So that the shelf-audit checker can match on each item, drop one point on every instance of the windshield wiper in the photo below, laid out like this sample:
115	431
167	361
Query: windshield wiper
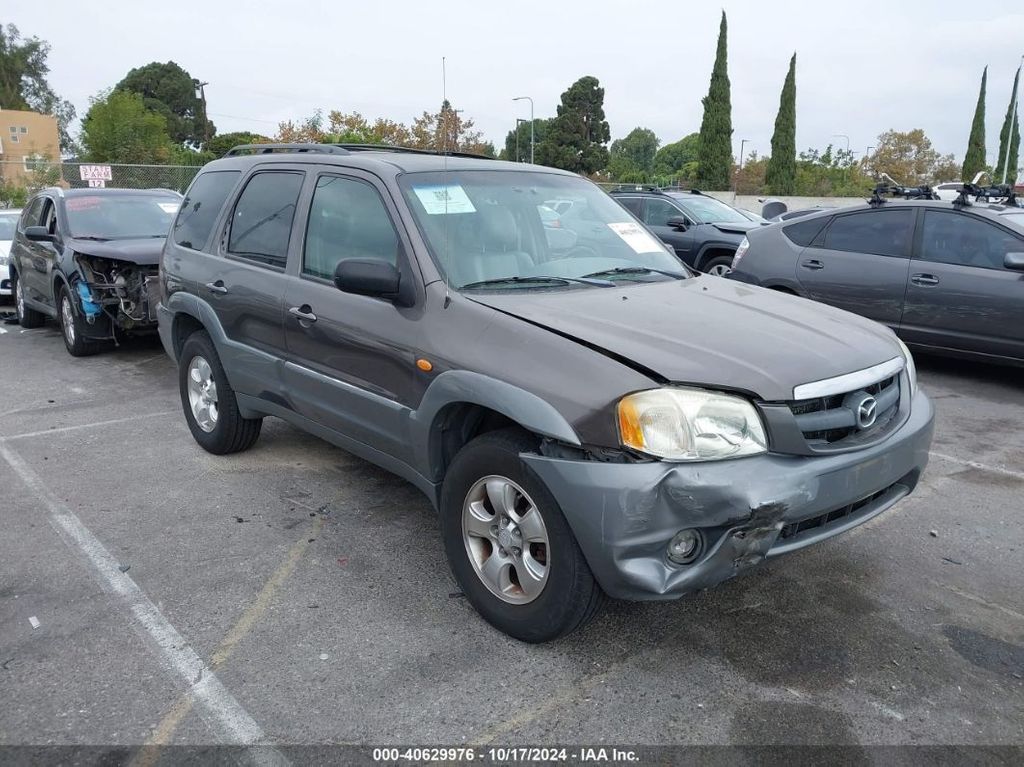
540	279
636	270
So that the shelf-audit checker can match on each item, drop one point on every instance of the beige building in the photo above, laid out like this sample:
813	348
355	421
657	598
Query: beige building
24	137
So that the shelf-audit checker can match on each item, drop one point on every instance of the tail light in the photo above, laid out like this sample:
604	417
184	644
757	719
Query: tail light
740	251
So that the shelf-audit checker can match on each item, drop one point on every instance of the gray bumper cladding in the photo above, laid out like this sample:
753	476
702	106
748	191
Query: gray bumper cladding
747	510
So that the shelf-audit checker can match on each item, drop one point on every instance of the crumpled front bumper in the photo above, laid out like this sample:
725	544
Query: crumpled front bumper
624	514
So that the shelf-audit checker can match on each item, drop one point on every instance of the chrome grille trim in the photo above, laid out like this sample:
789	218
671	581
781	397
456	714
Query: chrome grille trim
850	381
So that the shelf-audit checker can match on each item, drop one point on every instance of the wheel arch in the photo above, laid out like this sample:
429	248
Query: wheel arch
712	250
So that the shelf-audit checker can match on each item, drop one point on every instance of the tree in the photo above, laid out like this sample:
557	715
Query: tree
715	157
170	91
832	173
118	128
1009	140
974	158
220	144
634	154
576	138
353	128
445	130
780	175
23	83
518	149
750	179
908	157
671	159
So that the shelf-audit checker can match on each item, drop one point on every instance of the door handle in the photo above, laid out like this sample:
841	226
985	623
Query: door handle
924	279
304	313
812	263
217	287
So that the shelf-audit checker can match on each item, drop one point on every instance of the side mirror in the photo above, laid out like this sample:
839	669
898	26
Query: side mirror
371	277
678	222
1014	261
38	234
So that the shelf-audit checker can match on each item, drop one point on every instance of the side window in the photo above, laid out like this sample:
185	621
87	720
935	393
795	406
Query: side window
261	223
31	215
881	232
632	204
803	232
347	219
200	207
49	219
658	212
960	238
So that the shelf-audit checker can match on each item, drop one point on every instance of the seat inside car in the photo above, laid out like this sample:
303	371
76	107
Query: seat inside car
485	246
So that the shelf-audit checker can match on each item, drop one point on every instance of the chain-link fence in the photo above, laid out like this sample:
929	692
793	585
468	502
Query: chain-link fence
20	179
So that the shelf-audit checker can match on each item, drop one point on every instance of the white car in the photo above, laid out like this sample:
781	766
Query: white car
948	190
8	223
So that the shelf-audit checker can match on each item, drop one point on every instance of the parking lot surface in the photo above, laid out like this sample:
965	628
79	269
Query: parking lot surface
296	594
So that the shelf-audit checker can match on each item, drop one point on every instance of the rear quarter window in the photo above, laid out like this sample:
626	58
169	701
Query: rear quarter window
802	233
200	207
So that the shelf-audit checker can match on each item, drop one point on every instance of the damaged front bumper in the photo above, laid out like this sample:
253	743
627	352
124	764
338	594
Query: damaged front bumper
747	510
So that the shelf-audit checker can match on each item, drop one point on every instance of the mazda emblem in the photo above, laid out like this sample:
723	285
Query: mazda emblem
867	411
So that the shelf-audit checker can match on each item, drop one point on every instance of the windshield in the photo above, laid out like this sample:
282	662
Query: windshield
708	210
8	223
487	226
121	216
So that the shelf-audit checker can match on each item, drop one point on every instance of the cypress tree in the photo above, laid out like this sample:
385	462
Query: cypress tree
715	156
780	176
974	159
1009	140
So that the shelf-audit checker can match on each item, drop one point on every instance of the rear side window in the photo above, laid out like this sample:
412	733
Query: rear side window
262	220
199	210
879	232
802	233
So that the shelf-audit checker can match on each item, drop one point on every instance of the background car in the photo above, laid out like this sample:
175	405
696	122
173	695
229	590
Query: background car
703	232
8	225
947	278
948	191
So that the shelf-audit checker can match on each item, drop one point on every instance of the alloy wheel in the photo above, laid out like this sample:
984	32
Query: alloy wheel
202	394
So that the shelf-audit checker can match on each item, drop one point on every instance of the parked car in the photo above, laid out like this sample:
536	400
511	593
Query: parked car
703	232
8	225
948	191
587	423
947	278
87	258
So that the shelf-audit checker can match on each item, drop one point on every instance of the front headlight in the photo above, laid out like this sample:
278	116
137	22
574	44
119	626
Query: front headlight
911	368
680	424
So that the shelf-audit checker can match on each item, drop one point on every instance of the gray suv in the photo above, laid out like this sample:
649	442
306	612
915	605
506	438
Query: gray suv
559	404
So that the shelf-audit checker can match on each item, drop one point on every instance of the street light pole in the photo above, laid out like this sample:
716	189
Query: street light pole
843	135
1013	123
527	98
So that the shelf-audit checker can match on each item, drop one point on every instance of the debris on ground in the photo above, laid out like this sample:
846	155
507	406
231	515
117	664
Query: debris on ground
33	621
324	656
933	533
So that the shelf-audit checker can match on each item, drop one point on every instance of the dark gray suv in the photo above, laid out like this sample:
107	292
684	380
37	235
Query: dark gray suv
559	403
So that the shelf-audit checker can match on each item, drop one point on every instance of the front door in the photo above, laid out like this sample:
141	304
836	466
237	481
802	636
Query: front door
959	295
352	356
860	263
657	213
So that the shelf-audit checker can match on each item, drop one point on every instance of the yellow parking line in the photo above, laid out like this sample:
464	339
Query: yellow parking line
148	755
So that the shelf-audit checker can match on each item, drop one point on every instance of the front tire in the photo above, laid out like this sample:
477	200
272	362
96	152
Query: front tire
508	544
73	327
208	400
719	266
27	317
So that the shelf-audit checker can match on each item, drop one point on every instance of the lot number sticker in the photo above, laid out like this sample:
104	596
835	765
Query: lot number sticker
441	199
638	239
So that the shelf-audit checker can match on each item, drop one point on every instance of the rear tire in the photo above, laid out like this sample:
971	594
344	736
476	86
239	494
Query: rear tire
27	317
502	529
73	327
208	400
718	267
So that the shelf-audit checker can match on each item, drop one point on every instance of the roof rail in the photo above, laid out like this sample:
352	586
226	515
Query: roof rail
406	150
243	149
636	188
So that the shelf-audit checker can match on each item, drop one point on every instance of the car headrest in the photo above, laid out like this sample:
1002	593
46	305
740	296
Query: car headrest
498	230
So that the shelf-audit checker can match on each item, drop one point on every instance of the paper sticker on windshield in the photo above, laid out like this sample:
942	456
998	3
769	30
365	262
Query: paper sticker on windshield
169	207
638	239
441	198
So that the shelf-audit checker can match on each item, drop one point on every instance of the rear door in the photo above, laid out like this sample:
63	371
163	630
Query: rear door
656	215
860	262
959	295
352	357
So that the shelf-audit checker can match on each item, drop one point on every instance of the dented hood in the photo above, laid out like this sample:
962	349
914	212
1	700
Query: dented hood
709	331
144	252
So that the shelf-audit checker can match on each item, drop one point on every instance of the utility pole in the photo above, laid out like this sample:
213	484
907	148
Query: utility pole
527	98
201	95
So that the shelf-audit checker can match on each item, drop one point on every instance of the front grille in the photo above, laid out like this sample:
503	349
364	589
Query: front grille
827	420
829	518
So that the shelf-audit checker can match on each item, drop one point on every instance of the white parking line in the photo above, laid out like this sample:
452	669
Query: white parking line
62	429
977	465
218	707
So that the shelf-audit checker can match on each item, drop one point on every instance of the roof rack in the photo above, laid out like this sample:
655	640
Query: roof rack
407	150
243	149
1004	192
637	188
923	192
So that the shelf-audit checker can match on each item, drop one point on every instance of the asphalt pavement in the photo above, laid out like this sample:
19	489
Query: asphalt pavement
295	594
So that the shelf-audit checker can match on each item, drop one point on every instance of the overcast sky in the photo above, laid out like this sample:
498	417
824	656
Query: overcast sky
862	66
